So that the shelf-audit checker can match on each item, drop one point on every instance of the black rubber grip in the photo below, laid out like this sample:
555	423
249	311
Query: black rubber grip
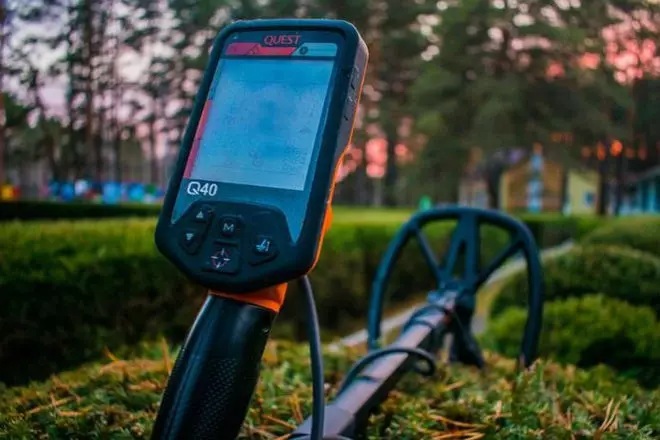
214	377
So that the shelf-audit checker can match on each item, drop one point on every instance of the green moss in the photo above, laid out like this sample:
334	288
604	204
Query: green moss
119	400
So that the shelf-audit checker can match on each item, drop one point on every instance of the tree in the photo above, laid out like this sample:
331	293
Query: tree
512	74
4	36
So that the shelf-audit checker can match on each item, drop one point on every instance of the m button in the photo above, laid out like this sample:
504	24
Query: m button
229	226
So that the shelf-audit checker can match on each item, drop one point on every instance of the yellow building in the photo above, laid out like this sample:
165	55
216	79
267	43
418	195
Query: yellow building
572	191
582	192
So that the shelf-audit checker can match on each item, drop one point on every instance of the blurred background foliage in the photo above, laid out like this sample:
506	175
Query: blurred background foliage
101	89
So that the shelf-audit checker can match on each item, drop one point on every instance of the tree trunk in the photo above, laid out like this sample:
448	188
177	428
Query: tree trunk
492	191
49	141
603	174
116	146
492	177
620	166
391	171
88	41
116	125
76	164
3	130
153	164
98	146
361	190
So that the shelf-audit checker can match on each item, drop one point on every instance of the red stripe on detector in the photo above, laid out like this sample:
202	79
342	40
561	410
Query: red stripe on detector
256	49
276	51
241	48
198	136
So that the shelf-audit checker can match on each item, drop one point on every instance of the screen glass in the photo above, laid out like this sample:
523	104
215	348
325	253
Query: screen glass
262	122
259	133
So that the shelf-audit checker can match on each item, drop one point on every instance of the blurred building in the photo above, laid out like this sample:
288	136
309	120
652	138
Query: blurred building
473	186
473	191
530	182
642	193
32	176
559	188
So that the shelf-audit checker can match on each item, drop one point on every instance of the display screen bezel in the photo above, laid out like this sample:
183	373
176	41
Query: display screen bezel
293	202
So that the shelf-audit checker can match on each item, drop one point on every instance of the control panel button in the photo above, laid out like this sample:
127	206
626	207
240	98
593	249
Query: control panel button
263	249
203	214
354	78
190	240
349	107
229	226
223	259
263	246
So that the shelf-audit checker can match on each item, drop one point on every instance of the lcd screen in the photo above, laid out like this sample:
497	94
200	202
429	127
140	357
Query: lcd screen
261	121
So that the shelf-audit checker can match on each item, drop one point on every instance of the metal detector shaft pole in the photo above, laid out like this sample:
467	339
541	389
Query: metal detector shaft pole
349	412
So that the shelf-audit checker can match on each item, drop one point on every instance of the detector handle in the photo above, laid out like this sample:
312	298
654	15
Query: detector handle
216	372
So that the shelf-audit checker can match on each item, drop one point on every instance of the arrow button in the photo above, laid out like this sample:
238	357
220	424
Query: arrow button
203	214
190	240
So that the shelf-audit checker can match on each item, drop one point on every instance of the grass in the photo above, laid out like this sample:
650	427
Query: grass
118	399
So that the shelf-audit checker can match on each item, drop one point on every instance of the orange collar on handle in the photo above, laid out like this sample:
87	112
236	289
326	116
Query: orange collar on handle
270	298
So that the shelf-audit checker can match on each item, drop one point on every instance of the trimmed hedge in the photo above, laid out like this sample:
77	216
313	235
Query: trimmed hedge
24	210
69	289
638	233
618	272
551	230
588	331
120	399
548	229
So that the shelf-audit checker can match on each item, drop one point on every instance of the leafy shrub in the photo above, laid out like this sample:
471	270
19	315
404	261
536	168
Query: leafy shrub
547	229
550	230
617	272
119	400
39	210
639	233
588	331
69	289
585	225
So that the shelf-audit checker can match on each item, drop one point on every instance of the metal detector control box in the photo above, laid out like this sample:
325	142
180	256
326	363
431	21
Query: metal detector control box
249	197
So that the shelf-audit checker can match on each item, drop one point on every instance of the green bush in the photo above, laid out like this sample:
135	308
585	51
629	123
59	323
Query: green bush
585	225
549	229
119	400
24	210
617	272
588	331
69	289
638	233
